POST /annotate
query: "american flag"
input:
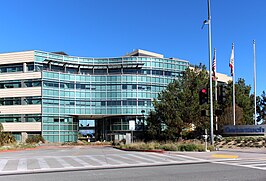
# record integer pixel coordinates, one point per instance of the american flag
(231, 63)
(214, 65)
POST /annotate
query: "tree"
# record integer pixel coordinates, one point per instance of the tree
(244, 105)
(1, 127)
(178, 105)
(261, 107)
(226, 117)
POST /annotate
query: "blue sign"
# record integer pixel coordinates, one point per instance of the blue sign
(245, 129)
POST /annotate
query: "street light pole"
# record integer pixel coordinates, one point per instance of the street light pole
(210, 71)
(143, 111)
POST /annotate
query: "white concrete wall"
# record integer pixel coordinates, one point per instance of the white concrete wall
(17, 57)
(20, 75)
(21, 109)
(21, 92)
(22, 127)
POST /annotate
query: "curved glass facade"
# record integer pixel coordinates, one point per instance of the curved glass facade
(73, 87)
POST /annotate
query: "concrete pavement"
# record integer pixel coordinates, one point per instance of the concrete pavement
(50, 159)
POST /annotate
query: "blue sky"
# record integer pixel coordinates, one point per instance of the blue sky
(111, 28)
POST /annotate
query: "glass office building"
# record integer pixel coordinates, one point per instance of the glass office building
(50, 93)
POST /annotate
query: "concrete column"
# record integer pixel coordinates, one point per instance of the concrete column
(79, 69)
(25, 67)
(24, 136)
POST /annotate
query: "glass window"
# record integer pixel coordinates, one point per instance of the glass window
(100, 71)
(124, 86)
(114, 71)
(130, 71)
(10, 84)
(30, 66)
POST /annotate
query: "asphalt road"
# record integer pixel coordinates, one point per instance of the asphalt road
(105, 163)
(189, 172)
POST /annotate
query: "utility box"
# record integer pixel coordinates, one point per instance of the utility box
(128, 138)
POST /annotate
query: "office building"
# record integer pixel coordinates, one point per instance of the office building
(50, 93)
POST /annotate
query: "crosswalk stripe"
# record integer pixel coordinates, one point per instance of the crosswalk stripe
(80, 161)
(3, 164)
(22, 164)
(96, 160)
(130, 159)
(190, 158)
(63, 162)
(42, 163)
(142, 158)
(117, 161)
(171, 157)
(160, 157)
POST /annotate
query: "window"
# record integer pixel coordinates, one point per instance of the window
(32, 100)
(8, 101)
(114, 71)
(10, 84)
(11, 68)
(100, 71)
(30, 66)
(32, 83)
(130, 71)
(124, 86)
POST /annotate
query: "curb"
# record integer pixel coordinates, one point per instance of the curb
(50, 146)
(245, 151)
(154, 151)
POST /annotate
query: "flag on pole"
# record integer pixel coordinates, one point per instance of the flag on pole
(231, 63)
(214, 66)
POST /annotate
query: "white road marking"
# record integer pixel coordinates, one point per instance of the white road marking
(240, 164)
(117, 161)
(130, 159)
(96, 160)
(63, 162)
(80, 161)
(170, 157)
(22, 164)
(142, 158)
(3, 164)
(42, 163)
(189, 157)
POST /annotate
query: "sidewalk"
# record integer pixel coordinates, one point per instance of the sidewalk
(246, 150)
(226, 154)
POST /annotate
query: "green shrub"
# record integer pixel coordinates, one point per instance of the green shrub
(6, 138)
(153, 145)
(188, 147)
(169, 147)
(35, 139)
(228, 140)
(252, 139)
(211, 148)
(238, 140)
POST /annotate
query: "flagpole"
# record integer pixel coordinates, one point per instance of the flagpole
(234, 99)
(254, 59)
(215, 89)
